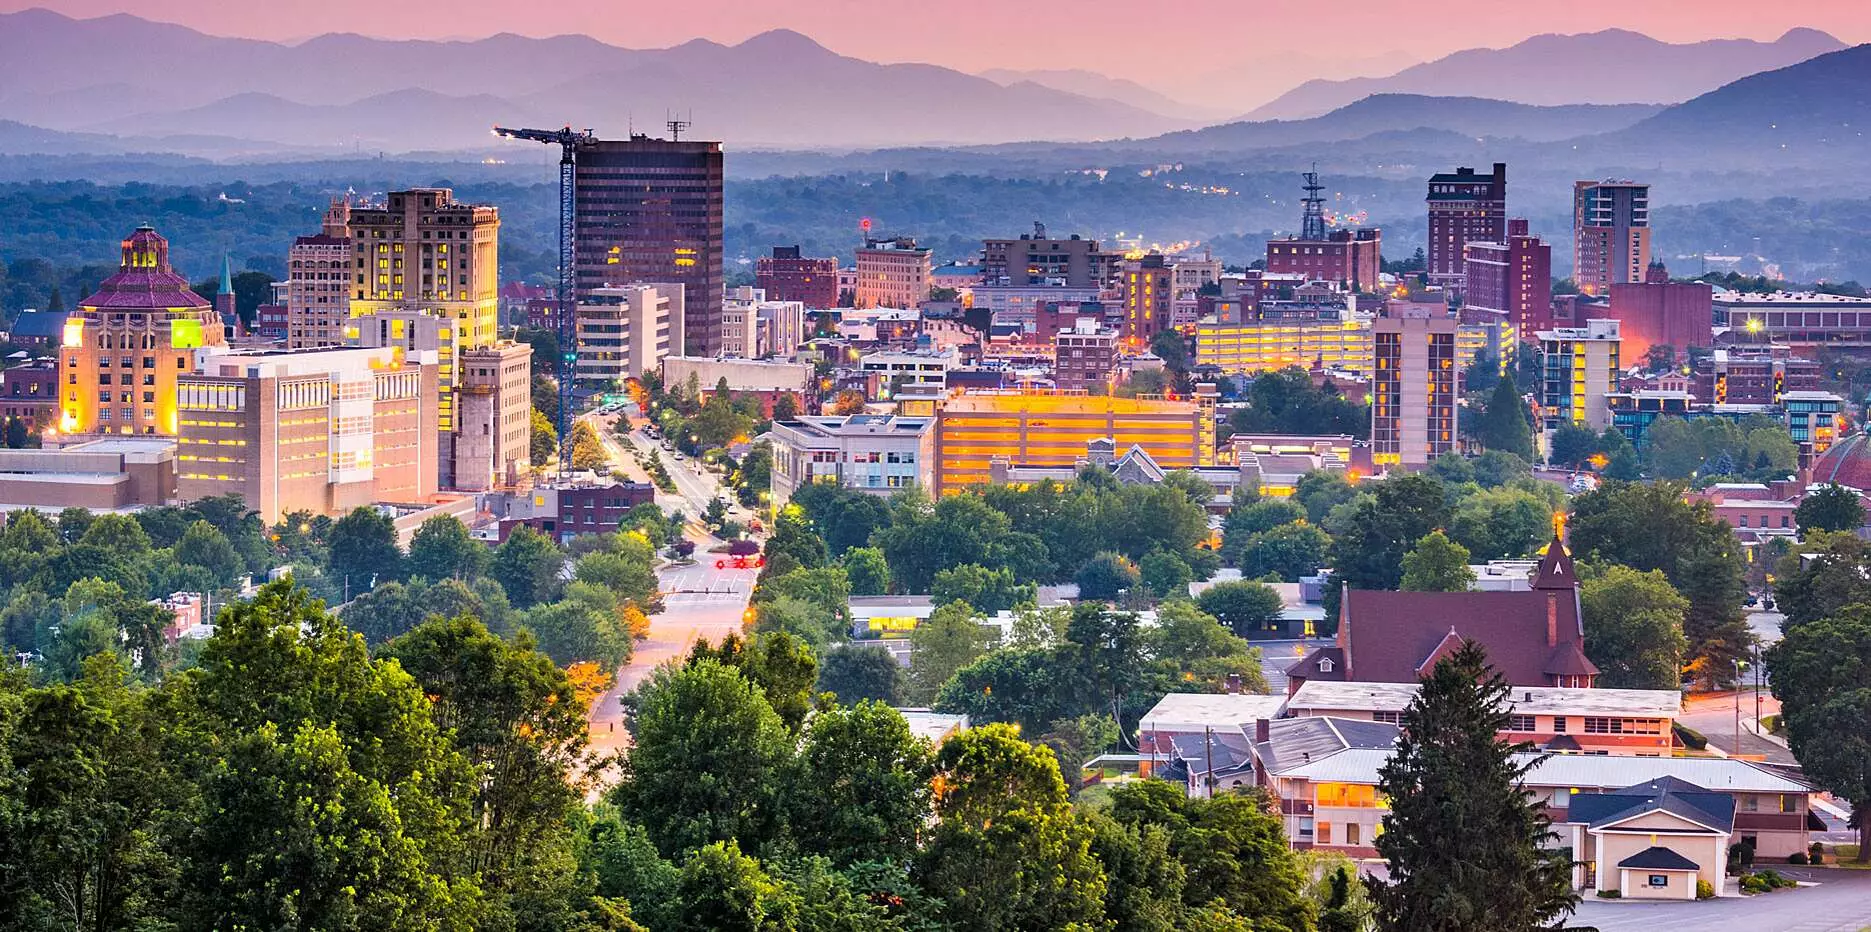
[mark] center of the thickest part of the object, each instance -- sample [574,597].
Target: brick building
[787,276]
[1465,206]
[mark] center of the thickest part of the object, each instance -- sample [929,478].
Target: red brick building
[1513,278]
[1350,259]
[788,276]
[1465,206]
[1731,377]
[30,392]
[1659,312]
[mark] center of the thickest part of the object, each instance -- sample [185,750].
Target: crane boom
[568,140]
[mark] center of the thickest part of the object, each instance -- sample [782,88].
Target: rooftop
[1186,711]
[1533,700]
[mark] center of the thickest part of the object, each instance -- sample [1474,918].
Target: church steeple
[224,298]
[1556,570]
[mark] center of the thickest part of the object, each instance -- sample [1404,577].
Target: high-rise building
[649,210]
[1037,259]
[319,274]
[893,273]
[1149,292]
[1084,356]
[1028,428]
[788,276]
[1465,206]
[494,432]
[626,331]
[1610,234]
[1413,388]
[125,345]
[1660,312]
[1513,278]
[421,250]
[1578,371]
[322,430]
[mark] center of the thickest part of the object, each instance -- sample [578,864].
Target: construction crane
[568,140]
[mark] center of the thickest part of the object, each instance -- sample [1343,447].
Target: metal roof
[1178,711]
[1585,772]
[1527,700]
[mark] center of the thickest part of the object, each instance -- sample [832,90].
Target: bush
[1704,890]
[1816,853]
[1752,885]
[1691,738]
[1610,894]
[1797,857]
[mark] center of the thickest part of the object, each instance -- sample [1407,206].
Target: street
[1840,903]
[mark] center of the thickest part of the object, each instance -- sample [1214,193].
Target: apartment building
[867,452]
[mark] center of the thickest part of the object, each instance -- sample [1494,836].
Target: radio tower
[1312,225]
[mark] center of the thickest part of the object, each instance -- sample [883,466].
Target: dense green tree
[544,442]
[388,611]
[1505,427]
[1143,881]
[924,537]
[989,591]
[363,550]
[1322,490]
[1572,445]
[946,641]
[1822,676]
[527,566]
[866,570]
[1287,402]
[121,535]
[856,672]
[1164,575]
[1496,468]
[723,889]
[203,546]
[1633,627]
[1007,851]
[1502,523]
[1452,468]
[625,865]
[706,759]
[628,576]
[1232,846]
[1264,515]
[843,517]
[1289,552]
[1370,534]
[589,625]
[1107,577]
[443,549]
[1457,799]
[1827,574]
[794,545]
[1829,508]
[1031,688]
[859,789]
[1244,607]
[806,620]
[1437,564]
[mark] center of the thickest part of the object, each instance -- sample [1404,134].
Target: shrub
[1704,890]
[1751,885]
[1691,738]
[1816,853]
[1797,857]
[1610,894]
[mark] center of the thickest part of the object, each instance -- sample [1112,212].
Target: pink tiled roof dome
[145,281]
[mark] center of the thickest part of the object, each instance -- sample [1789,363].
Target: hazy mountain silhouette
[1467,116]
[1614,66]
[125,74]
[1095,85]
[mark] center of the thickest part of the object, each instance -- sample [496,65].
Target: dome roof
[144,281]
[1848,462]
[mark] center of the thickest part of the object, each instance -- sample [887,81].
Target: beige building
[1031,428]
[1413,389]
[624,332]
[1342,343]
[493,435]
[319,282]
[1578,372]
[867,452]
[753,327]
[893,273]
[321,430]
[109,474]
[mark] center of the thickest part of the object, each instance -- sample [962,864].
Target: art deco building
[125,345]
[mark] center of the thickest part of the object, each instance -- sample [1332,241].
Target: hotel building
[1413,389]
[893,273]
[1578,374]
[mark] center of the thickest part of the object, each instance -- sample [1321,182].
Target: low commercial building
[1802,320]
[29,393]
[319,430]
[918,370]
[109,474]
[569,508]
[1632,413]
[1038,428]
[767,378]
[1635,722]
[871,453]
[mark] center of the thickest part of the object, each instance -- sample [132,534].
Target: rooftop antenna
[1312,223]
[676,127]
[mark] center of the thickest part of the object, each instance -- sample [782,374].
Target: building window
[1325,665]
[1559,724]
[1324,835]
[1659,880]
[1520,723]
[1394,718]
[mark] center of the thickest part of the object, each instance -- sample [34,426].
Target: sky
[1165,45]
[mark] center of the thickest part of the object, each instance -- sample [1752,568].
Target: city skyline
[1174,64]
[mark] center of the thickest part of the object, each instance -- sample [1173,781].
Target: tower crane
[569,141]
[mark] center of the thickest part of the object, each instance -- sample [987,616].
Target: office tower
[1660,312]
[893,273]
[1578,369]
[649,210]
[624,332]
[1464,207]
[494,429]
[1026,428]
[319,282]
[1149,291]
[1036,259]
[1413,388]
[424,251]
[1513,277]
[1610,234]
[1347,259]
[788,276]
[322,430]
[125,344]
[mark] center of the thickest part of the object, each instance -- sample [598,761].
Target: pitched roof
[1308,667]
[1388,636]
[1659,858]
[1555,570]
[1714,811]
[42,324]
[1295,742]
[1568,659]
[1449,644]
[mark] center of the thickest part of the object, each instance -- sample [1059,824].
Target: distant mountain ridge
[1468,116]
[779,88]
[1095,85]
[1613,66]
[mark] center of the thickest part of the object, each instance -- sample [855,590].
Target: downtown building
[893,272]
[1578,373]
[976,432]
[1465,206]
[1413,388]
[787,276]
[1037,259]
[319,282]
[1659,312]
[756,326]
[649,210]
[1512,278]
[1610,234]
[871,453]
[625,332]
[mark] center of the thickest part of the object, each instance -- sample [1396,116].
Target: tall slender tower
[1610,234]
[224,298]
[1312,224]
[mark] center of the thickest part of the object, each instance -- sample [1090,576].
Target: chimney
[1234,684]
[1552,619]
[1263,730]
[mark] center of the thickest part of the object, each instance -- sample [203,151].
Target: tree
[588,625]
[627,575]
[1260,516]
[1504,424]
[1143,881]
[1822,676]
[1289,551]
[386,612]
[1452,468]
[1321,490]
[527,566]
[203,546]
[1572,445]
[946,641]
[1244,607]
[587,448]
[1232,846]
[859,789]
[989,591]
[1673,449]
[1830,507]
[1287,402]
[17,434]
[1371,533]
[723,889]
[856,672]
[1437,564]
[443,549]
[1633,627]
[1503,523]
[866,570]
[1007,851]
[1164,574]
[925,537]
[1457,800]
[706,758]
[1106,576]
[363,549]
[1496,468]
[545,438]
[842,517]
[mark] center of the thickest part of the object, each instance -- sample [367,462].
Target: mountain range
[1614,66]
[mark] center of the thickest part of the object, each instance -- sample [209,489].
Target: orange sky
[1160,43]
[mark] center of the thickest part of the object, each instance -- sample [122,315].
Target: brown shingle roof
[1387,636]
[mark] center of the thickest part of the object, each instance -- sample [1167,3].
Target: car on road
[741,561]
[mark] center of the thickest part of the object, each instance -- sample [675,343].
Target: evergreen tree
[1466,843]
[1504,425]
